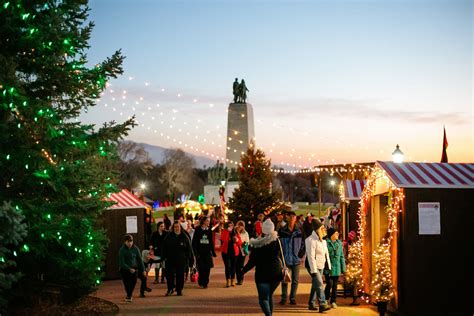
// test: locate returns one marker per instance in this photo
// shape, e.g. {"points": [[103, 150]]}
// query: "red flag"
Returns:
{"points": [[444, 156]]}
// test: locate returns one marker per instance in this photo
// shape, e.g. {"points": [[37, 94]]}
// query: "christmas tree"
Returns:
{"points": [[382, 287], [253, 196], [354, 265], [56, 171], [13, 231]]}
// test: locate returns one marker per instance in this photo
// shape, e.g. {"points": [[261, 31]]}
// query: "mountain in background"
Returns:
{"points": [[157, 154]]}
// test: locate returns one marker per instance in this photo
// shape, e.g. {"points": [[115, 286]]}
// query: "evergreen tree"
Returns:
{"points": [[55, 170], [13, 231], [253, 195]]}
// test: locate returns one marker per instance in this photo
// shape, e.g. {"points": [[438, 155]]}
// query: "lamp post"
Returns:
{"points": [[397, 155]]}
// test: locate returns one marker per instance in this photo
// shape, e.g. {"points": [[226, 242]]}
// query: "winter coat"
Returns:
{"points": [[316, 252], [292, 244], [336, 256], [130, 258], [226, 238], [265, 256], [203, 246], [177, 250], [157, 242]]}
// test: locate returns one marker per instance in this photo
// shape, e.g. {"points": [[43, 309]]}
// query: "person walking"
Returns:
{"points": [[177, 254], [231, 244], [316, 258], [258, 225], [338, 265], [243, 251], [167, 222], [203, 246], [291, 238], [130, 265], [157, 241], [265, 256]]}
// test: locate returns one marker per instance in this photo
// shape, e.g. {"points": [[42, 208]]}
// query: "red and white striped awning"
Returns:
{"points": [[125, 199], [353, 189], [430, 175]]}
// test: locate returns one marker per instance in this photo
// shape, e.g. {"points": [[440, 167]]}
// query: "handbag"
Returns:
{"points": [[285, 271], [194, 275]]}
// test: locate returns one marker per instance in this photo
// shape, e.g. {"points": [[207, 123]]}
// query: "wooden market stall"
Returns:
{"points": [[421, 214], [128, 215], [350, 192]]}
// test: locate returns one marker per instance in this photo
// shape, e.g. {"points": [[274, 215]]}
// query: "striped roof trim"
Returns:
{"points": [[353, 189], [125, 199], [430, 175]]}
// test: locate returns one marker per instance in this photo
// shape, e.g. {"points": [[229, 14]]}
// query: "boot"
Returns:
{"points": [[228, 283], [232, 282]]}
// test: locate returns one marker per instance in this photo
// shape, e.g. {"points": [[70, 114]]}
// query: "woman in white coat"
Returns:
{"points": [[317, 256]]}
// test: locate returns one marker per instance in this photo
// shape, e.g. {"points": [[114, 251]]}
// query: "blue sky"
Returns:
{"points": [[342, 80]]}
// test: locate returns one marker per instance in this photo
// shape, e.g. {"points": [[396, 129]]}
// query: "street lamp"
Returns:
{"points": [[143, 186], [397, 155], [333, 184], [223, 183]]}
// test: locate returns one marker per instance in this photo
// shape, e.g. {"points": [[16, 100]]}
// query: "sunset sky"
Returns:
{"points": [[329, 81]]}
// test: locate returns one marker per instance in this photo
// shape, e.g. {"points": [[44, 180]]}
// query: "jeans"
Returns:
{"points": [[229, 264], [331, 287], [295, 273], [265, 294], [129, 281], [143, 285], [317, 289], [239, 264]]}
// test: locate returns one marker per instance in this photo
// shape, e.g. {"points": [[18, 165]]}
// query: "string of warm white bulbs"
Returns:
{"points": [[124, 96]]}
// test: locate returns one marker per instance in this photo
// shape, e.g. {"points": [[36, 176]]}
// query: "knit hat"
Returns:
{"points": [[331, 231], [316, 223], [268, 227]]}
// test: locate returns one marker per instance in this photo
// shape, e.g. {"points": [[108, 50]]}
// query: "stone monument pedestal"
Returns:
{"points": [[240, 132]]}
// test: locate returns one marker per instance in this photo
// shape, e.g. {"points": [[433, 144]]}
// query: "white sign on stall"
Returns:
{"points": [[131, 222], [429, 218]]}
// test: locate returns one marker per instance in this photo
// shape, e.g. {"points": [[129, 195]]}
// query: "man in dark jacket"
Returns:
{"points": [[203, 246], [130, 263], [157, 241], [292, 242], [177, 253]]}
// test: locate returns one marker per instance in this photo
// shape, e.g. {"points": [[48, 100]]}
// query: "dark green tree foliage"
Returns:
{"points": [[56, 170], [253, 195], [13, 230]]}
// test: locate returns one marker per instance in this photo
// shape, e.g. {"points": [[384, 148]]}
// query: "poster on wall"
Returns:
{"points": [[131, 222], [429, 218]]}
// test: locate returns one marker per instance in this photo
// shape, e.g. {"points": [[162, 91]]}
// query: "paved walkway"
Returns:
{"points": [[218, 300]]}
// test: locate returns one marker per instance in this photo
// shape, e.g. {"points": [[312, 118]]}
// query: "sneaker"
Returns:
{"points": [[128, 299], [148, 289], [323, 308], [312, 308], [142, 295], [169, 293], [179, 293], [333, 305], [282, 302], [292, 302]]}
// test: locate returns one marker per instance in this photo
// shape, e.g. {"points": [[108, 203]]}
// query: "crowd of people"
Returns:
{"points": [[185, 249]]}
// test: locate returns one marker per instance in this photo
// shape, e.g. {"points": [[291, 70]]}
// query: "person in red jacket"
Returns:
{"points": [[258, 225], [230, 246]]}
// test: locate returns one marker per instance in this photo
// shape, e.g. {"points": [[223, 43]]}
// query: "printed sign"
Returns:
{"points": [[131, 222], [429, 218]]}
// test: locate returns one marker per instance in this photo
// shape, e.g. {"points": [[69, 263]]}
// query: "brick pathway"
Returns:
{"points": [[216, 299]]}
